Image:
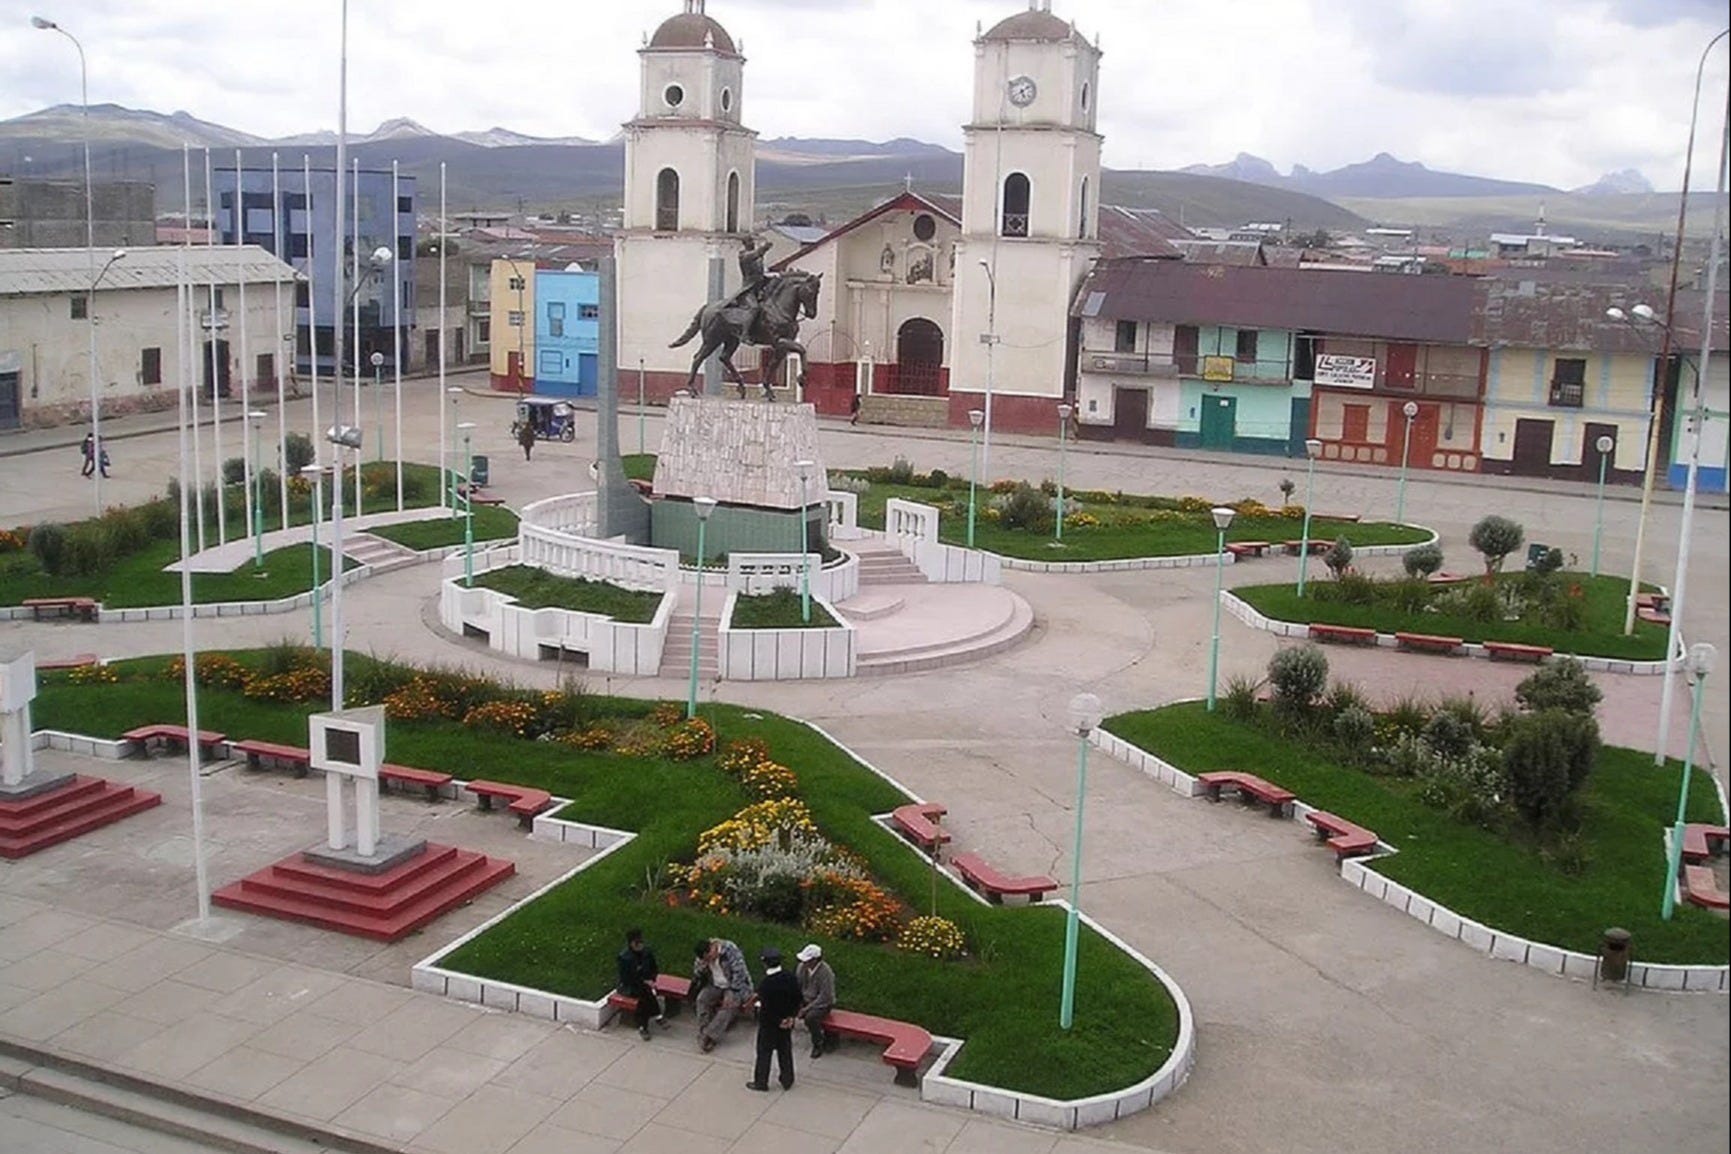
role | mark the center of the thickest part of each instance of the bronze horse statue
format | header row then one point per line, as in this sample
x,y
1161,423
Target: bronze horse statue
x,y
772,323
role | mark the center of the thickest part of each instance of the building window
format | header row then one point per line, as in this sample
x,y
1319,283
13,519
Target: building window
x,y
727,100
405,248
297,245
303,295
514,319
1124,341
555,318
1017,195
925,226
1082,220
732,202
673,95
1085,96
216,297
1186,344
483,330
405,204
516,284
667,201
80,306
1569,382
150,367
1245,354
588,312
266,367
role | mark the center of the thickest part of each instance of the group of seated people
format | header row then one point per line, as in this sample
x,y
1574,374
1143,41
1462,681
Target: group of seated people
x,y
721,986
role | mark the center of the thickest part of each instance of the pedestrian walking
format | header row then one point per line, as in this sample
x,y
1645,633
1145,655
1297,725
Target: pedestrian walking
x,y
637,974
102,460
526,438
777,1011
853,409
816,993
88,449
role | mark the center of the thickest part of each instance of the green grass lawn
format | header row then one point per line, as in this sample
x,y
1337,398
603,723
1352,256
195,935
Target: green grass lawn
x,y
538,589
1601,636
781,609
1003,999
1477,873
139,580
639,466
492,523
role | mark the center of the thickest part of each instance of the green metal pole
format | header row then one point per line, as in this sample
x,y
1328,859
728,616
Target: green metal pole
x,y
1304,541
696,622
639,406
1214,648
318,612
804,558
379,410
257,506
1675,859
1061,446
1400,492
1599,514
973,480
468,515
1067,1008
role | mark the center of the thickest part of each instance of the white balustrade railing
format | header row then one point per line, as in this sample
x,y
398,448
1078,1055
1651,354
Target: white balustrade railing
x,y
569,513
842,511
906,519
758,573
568,555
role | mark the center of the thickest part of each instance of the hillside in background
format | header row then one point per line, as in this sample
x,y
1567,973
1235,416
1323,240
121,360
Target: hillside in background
x,y
1597,217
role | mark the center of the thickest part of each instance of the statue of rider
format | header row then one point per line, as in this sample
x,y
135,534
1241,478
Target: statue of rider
x,y
754,278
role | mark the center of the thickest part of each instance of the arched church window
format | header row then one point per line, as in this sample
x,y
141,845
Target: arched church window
x,y
733,202
1017,194
674,95
667,201
1082,221
925,227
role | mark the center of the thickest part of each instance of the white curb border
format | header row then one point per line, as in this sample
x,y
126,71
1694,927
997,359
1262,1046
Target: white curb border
x,y
1550,959
1185,560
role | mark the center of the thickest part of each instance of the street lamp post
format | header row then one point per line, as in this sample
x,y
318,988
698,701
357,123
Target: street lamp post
x,y
89,246
1085,711
1604,444
1064,412
255,419
1312,450
639,406
1222,522
1409,411
1700,664
975,418
377,360
805,468
989,338
466,428
340,437
705,506
316,474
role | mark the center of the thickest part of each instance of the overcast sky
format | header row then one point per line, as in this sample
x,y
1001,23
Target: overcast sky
x,y
1558,91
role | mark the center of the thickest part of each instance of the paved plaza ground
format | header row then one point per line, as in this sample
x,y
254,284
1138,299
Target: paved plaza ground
x,y
1326,1021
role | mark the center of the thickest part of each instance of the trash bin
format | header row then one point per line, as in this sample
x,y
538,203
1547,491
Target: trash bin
x,y
1614,956
1536,555
478,474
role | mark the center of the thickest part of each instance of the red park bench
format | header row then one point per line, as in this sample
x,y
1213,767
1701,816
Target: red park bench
x,y
1344,838
428,779
674,989
1428,642
1350,518
919,824
1449,578
1658,601
174,737
1701,888
258,752
1350,634
78,661
1704,842
1247,548
1653,616
1247,785
525,801
995,884
85,608
1292,547
906,1044
1515,652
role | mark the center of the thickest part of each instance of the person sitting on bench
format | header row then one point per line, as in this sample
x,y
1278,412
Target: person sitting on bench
x,y
637,974
720,986
816,992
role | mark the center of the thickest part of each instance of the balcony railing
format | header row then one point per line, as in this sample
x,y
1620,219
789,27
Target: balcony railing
x,y
1567,394
1140,364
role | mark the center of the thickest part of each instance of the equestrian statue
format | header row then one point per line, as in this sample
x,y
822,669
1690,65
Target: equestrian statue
x,y
766,312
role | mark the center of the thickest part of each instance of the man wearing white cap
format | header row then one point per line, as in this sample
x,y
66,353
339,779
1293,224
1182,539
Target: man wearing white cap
x,y
816,992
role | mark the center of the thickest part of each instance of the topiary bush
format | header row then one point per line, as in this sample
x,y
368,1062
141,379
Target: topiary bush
x,y
233,471
1449,734
1299,675
1339,557
1025,507
1496,537
1561,684
1422,561
901,472
1547,757
48,543
298,453
1354,727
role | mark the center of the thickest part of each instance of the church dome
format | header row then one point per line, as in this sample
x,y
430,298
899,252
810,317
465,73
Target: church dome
x,y
1034,24
693,28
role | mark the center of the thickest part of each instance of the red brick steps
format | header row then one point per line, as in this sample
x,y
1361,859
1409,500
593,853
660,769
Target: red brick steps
x,y
84,804
384,906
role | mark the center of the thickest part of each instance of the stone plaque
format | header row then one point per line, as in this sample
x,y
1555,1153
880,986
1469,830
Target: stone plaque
x,y
739,452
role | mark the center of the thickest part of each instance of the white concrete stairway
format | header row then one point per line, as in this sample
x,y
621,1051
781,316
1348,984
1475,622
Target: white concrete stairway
x,y
887,567
380,554
676,652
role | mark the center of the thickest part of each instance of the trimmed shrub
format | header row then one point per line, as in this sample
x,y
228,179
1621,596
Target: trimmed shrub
x,y
1560,684
1339,557
48,543
1547,757
1496,537
1548,562
1422,561
1448,734
901,472
1027,508
1299,675
1353,728
233,471
1239,700
298,452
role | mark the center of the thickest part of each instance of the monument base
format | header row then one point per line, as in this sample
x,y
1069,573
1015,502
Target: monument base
x,y
40,781
390,852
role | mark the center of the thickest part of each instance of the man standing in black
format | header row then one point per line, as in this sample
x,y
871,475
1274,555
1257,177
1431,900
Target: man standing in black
x,y
637,974
778,1003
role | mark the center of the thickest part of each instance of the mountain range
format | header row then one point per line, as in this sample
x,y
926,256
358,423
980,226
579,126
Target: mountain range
x,y
1386,177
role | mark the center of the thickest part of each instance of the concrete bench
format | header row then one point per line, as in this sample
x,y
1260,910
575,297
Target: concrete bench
x,y
1701,888
1703,842
1293,547
1428,642
1247,548
919,823
995,884
175,738
1344,838
525,801
430,780
1349,634
78,661
906,1044
84,608
259,752
1248,785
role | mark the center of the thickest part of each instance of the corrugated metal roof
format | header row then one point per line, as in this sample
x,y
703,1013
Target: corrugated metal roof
x,y
35,271
1126,231
1541,314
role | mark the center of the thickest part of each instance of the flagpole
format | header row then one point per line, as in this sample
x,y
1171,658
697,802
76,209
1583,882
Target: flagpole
x,y
397,329
248,432
215,369
282,352
191,343
444,242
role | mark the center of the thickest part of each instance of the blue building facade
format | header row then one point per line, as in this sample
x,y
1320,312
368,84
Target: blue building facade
x,y
300,228
567,332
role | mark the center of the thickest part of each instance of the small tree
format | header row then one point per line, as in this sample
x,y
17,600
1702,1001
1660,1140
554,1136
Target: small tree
x,y
1547,757
298,452
233,471
1423,560
1339,557
1496,537
1287,488
1561,683
1299,675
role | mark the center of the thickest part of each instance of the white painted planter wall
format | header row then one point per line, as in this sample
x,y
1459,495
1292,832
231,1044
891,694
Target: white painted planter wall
x,y
759,573
913,529
786,654
611,646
